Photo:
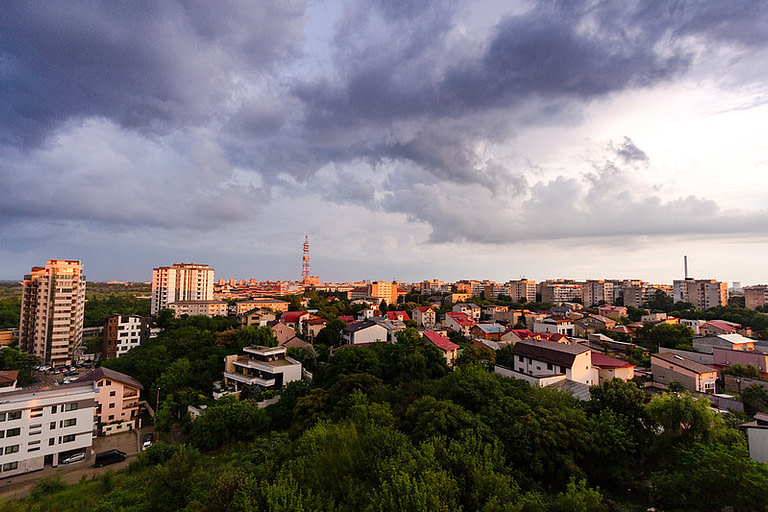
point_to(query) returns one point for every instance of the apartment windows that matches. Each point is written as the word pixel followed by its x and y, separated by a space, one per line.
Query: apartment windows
pixel 12 432
pixel 14 415
pixel 10 466
pixel 53 409
pixel 68 438
pixel 36 412
pixel 112 393
pixel 70 422
pixel 71 407
pixel 51 441
pixel 112 406
pixel 11 449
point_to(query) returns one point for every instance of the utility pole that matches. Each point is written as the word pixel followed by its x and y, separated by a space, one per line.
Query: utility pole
pixel 157 402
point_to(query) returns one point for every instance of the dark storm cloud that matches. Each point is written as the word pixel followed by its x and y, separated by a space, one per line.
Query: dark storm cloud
pixel 151 66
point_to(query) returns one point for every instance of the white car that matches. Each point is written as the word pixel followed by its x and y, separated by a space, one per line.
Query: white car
pixel 75 457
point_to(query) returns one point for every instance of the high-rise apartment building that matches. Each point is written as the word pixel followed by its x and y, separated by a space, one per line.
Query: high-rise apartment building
pixel 595 291
pixel 756 296
pixel 52 311
pixel 523 290
pixel 702 293
pixel 180 282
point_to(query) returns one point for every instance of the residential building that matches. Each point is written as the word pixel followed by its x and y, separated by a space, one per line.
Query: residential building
pixel 725 357
pixel 695 325
pixel 209 308
pixel 522 290
pixel 540 358
pixel 554 324
pixel 116 401
pixel 756 296
pixel 8 336
pixel 757 437
pixel 8 380
pixel 595 291
pixel 267 367
pixel 729 341
pixel 256 317
pixel 398 315
pixel 702 293
pixel 276 305
pixel 295 319
pixel 180 282
pixel 668 367
pixel 556 292
pixel 52 311
pixel 473 311
pixel 446 346
pixel 459 322
pixel 366 331
pixel 714 327
pixel 487 331
pixel 612 311
pixel 312 326
pixel 282 332
pixel 609 368
pixel 592 323
pixel 425 317
pixel 122 333
pixel 41 427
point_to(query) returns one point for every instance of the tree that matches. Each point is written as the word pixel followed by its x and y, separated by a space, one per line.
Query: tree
pixel 661 302
pixel 13 359
pixel 666 335
pixel 473 354
pixel 330 335
pixel 755 398
pixel 252 335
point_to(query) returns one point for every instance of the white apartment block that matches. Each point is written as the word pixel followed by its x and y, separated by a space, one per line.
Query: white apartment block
pixel 122 333
pixel 209 308
pixel 523 290
pixel 702 293
pixel 40 427
pixel 560 292
pixel 180 282
pixel 52 311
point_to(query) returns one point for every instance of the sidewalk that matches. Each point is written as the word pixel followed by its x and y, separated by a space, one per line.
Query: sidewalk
pixel 129 442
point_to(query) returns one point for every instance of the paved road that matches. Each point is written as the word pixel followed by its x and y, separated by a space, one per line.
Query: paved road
pixel 19 486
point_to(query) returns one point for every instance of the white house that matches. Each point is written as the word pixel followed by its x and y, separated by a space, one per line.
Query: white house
pixel 367 331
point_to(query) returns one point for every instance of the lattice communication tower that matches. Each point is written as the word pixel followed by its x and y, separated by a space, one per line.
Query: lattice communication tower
pixel 305 261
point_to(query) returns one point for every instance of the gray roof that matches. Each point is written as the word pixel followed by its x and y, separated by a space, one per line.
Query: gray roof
pixel 549 351
pixel 682 362
pixel 105 373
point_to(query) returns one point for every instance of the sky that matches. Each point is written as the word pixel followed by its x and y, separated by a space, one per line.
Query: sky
pixel 410 140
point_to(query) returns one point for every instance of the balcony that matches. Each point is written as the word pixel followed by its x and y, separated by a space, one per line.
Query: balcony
pixel 251 379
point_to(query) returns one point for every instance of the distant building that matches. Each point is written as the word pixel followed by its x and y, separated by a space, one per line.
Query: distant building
pixel 122 333
pixel 702 293
pixel 276 305
pixel 209 308
pixel 522 290
pixel 424 317
pixel 556 292
pixel 756 296
pixel 446 346
pixel 52 311
pixel 181 282
pixel 596 291
pixel 366 331
pixel 728 341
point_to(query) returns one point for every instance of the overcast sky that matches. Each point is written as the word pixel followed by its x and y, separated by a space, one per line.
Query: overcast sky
pixel 410 139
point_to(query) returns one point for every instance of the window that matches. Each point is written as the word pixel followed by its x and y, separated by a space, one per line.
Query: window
pixel 68 438
pixel 112 393
pixel 36 412
pixel 11 449
pixel 2 416
pixel 35 432
pixel 70 422
pixel 36 448
pixel 520 358
pixel 109 383
pixel 70 407
pixel 36 425
pixel 10 466
pixel 53 409
pixel 111 406
pixel 37 441
pixel 14 415
pixel 111 417
pixel 51 441
pixel 12 432
pixel 2 434
pixel 101 383
pixel 549 366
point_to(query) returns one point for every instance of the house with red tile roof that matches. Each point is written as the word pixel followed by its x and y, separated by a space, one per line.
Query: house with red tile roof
pixel 446 346
pixel 312 326
pixel 609 368
pixel 715 327
pixel 398 315
pixel 459 322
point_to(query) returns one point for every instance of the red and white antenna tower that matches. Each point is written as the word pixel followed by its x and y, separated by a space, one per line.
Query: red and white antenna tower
pixel 305 261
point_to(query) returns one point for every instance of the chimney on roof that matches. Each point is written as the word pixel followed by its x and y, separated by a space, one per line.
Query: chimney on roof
pixel 685 266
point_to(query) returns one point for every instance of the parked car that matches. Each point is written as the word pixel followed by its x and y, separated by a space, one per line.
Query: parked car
pixel 108 457
pixel 75 457
pixel 148 440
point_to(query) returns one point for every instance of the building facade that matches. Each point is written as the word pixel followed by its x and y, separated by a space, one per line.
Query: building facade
pixel 756 296
pixel 41 427
pixel 52 311
pixel 209 308
pixel 595 291
pixel 267 367
pixel 116 402
pixel 702 293
pixel 180 282
pixel 122 333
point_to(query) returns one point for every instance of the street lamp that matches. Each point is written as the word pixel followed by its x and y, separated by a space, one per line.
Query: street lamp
pixel 157 402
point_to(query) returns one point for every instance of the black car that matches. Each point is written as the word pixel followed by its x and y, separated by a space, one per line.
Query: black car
pixel 109 457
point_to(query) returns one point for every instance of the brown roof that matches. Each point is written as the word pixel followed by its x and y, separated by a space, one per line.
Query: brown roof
pixel 549 351
pixel 105 373
pixel 8 376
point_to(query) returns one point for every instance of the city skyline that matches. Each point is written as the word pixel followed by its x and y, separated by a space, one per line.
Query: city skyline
pixel 449 140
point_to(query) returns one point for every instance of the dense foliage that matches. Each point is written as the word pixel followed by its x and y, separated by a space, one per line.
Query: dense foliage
pixel 390 427
pixel 97 309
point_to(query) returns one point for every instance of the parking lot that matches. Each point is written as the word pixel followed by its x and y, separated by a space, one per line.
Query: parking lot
pixel 50 379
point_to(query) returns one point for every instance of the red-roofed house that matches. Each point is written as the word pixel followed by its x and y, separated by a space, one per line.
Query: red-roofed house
pixel 312 326
pixel 714 327
pixel 612 311
pixel 8 380
pixel 347 319
pixel 424 317
pixel 295 319
pixel 398 315
pixel 609 368
pixel 459 322
pixel 447 347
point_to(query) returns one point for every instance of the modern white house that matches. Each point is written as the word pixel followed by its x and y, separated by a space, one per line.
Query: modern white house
pixel 541 358
pixel 43 427
pixel 366 331
pixel 267 367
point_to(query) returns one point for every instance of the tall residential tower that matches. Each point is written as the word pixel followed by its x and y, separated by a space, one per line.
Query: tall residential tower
pixel 52 311
pixel 182 281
